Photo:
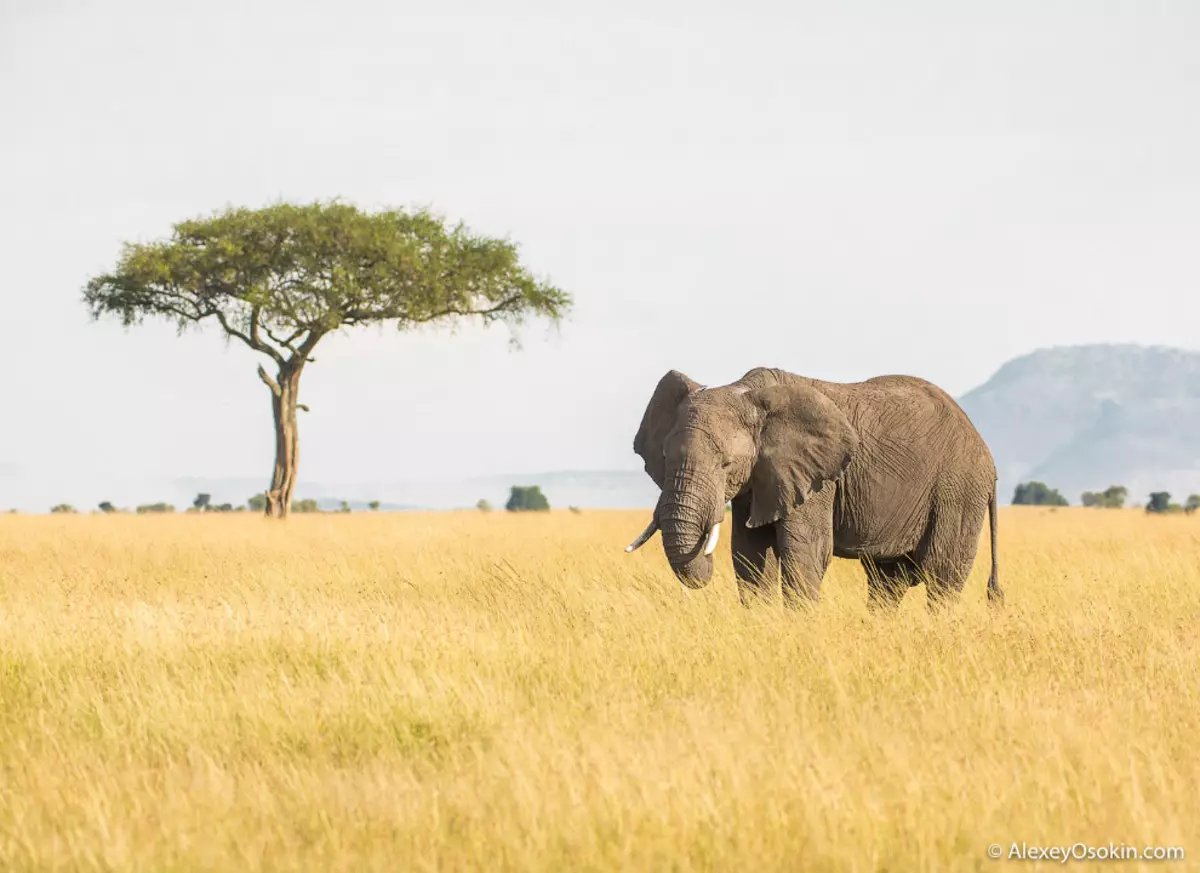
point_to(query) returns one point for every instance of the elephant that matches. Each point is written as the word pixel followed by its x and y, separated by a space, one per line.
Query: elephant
pixel 889 471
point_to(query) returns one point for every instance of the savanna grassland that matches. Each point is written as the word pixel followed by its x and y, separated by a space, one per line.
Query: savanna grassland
pixel 464 691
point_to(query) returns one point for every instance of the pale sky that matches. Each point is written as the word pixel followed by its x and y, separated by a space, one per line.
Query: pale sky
pixel 841 190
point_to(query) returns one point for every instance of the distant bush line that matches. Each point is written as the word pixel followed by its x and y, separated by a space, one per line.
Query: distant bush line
pixel 1112 497
pixel 522 498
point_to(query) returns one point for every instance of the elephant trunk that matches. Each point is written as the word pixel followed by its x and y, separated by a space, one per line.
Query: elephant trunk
pixel 689 514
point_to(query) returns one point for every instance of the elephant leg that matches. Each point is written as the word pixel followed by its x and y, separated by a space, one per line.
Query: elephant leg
pixel 887 581
pixel 805 545
pixel 754 561
pixel 947 551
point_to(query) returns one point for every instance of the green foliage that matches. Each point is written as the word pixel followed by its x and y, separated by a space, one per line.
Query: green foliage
pixel 203 503
pixel 345 506
pixel 1112 497
pixel 280 277
pixel 106 507
pixel 63 509
pixel 1037 494
pixel 149 508
pixel 1160 501
pixel 305 506
pixel 1192 504
pixel 257 503
pixel 575 510
pixel 527 499
pixel 484 506
pixel 373 506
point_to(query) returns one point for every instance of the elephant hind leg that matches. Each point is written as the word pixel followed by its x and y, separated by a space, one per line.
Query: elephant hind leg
pixel 887 580
pixel 947 552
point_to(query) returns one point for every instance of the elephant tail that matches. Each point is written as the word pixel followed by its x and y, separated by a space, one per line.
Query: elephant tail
pixel 994 594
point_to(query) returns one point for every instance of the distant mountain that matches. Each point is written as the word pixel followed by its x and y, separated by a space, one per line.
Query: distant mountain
pixel 1080 418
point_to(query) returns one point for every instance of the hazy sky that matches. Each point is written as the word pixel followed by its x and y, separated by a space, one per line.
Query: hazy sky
pixel 841 190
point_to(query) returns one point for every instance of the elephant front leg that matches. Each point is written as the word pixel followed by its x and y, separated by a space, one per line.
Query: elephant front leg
pixel 804 541
pixel 754 561
pixel 887 581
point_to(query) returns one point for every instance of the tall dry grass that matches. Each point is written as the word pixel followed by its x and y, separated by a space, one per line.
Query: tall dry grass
pixel 461 691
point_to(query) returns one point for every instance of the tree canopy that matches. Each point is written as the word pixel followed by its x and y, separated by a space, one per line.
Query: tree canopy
pixel 1037 494
pixel 1112 497
pixel 527 499
pixel 280 278
pixel 1160 501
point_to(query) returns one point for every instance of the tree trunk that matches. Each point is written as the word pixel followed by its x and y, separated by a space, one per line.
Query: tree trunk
pixel 284 392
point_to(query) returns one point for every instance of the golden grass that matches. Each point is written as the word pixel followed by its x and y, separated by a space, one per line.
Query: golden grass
pixel 461 691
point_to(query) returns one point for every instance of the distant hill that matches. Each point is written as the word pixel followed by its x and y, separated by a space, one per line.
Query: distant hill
pixel 1080 418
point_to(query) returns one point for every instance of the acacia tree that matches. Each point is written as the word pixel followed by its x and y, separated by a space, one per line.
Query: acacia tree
pixel 280 279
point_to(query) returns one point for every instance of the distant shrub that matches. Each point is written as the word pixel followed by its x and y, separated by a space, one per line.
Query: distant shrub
pixel 258 503
pixel 63 508
pixel 1112 497
pixel 527 499
pixel 575 509
pixel 106 507
pixel 151 508
pixel 203 503
pixel 483 506
pixel 1038 494
pixel 373 506
pixel 305 506
pixel 1160 503
pixel 1192 504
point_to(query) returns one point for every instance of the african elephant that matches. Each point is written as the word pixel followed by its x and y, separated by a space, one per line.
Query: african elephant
pixel 889 471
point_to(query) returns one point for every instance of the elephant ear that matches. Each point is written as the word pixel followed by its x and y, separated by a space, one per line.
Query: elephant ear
pixel 658 420
pixel 805 442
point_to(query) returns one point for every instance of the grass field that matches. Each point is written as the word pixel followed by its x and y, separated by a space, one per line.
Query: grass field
pixel 497 692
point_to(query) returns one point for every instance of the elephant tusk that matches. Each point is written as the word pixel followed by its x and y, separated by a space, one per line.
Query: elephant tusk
pixel 711 545
pixel 643 537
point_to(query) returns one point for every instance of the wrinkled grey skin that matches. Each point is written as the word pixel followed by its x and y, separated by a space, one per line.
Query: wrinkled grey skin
pixel 889 471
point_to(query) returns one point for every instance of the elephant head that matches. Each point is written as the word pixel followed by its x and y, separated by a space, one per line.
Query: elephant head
pixel 770 434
